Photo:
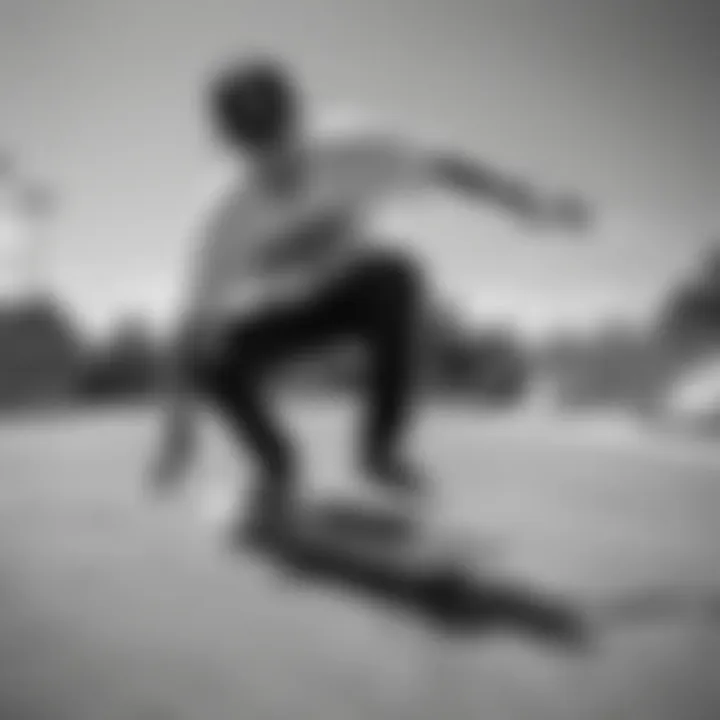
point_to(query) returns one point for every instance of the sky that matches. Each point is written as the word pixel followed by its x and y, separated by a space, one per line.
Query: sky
pixel 617 99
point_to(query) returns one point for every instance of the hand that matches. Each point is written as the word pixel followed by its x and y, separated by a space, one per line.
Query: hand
pixel 170 467
pixel 561 212
pixel 572 213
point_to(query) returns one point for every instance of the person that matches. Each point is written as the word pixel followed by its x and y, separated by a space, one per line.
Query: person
pixel 287 264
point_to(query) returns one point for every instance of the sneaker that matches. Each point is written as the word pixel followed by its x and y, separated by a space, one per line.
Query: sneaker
pixel 267 522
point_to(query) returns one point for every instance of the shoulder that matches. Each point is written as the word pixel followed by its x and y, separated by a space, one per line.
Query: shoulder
pixel 372 158
pixel 359 145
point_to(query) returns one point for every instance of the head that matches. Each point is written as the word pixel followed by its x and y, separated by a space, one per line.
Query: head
pixel 255 106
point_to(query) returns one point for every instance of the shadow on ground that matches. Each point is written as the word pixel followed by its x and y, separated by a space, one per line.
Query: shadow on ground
pixel 378 556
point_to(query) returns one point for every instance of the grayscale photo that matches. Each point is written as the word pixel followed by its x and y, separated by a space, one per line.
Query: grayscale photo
pixel 359 359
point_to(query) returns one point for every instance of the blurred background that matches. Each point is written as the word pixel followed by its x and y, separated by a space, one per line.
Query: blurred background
pixel 105 154
pixel 572 387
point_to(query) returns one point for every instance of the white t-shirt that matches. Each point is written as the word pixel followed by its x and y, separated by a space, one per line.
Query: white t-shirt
pixel 343 183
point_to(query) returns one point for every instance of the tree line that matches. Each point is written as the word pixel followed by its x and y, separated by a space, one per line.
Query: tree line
pixel 615 364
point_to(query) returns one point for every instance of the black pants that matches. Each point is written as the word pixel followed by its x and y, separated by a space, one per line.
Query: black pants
pixel 376 303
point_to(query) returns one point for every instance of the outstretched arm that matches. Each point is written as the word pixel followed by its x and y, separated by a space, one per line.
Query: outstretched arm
pixel 479 181
pixel 177 410
pixel 177 431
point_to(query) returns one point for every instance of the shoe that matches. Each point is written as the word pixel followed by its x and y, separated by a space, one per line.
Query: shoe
pixel 267 523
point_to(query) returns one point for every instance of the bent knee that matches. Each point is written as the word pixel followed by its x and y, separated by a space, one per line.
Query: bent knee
pixel 396 275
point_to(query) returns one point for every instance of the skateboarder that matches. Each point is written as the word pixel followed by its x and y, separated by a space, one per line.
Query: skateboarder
pixel 287 264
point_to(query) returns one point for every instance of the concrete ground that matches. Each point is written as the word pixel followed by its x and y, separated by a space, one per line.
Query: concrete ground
pixel 114 606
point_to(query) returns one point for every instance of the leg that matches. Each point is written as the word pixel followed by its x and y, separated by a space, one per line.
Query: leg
pixel 251 352
pixel 392 331
pixel 235 387
pixel 387 297
pixel 378 302
pixel 234 382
